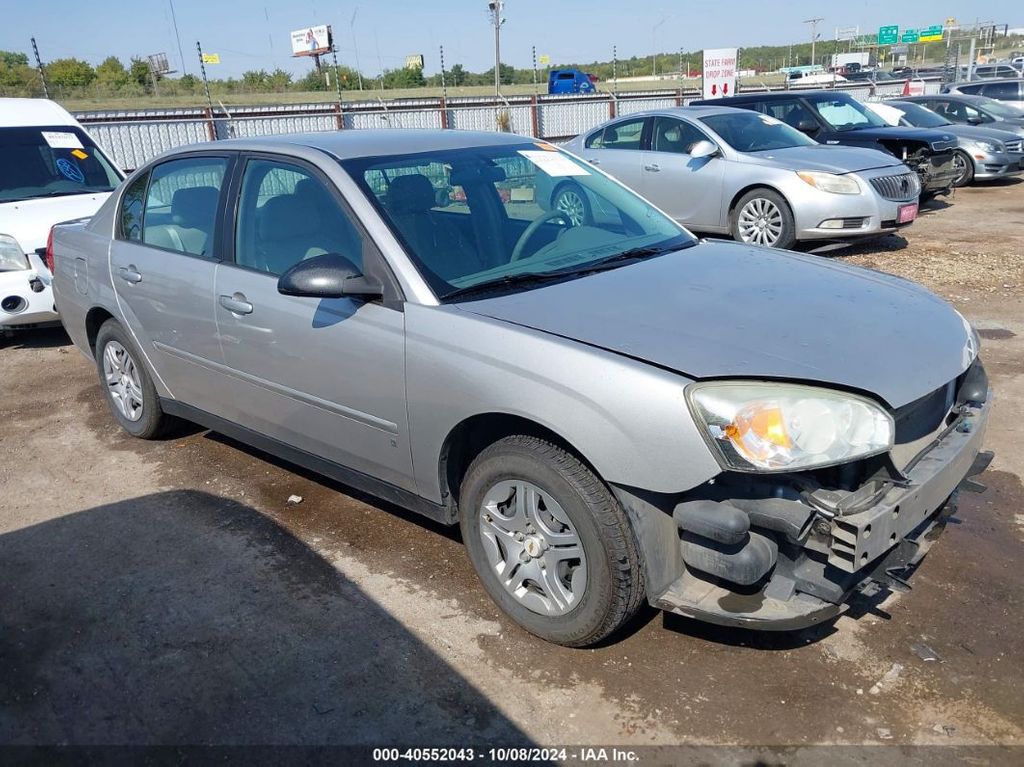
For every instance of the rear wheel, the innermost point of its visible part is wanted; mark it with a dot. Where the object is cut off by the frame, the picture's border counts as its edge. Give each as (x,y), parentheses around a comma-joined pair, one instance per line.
(964,165)
(126,384)
(762,217)
(552,546)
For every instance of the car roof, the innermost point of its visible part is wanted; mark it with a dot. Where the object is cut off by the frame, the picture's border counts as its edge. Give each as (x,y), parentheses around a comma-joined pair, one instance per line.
(770,96)
(693,111)
(20,113)
(348,144)
(987,80)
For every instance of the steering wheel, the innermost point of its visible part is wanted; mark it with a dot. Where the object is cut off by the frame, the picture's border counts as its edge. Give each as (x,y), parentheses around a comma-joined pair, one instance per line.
(537,223)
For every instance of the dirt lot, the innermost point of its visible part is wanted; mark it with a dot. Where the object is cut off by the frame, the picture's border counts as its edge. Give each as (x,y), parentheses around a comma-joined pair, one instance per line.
(166,592)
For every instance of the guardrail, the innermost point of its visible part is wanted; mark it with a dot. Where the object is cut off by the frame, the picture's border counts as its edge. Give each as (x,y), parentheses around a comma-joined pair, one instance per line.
(134,137)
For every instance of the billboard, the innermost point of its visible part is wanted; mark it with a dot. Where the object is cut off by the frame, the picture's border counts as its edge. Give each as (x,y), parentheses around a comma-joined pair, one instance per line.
(415,61)
(719,72)
(311,41)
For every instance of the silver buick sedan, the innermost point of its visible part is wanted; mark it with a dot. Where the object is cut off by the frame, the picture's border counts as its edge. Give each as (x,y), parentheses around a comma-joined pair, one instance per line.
(612,410)
(732,171)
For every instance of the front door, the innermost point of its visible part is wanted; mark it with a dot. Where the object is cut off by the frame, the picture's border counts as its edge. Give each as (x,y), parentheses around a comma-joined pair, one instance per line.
(325,376)
(163,262)
(687,188)
(616,150)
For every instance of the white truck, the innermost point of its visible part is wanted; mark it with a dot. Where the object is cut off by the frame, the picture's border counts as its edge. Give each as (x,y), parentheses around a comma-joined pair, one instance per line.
(51,171)
(859,60)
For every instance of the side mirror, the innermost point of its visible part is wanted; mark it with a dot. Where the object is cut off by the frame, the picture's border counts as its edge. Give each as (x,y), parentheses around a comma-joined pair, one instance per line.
(328,276)
(806,125)
(702,149)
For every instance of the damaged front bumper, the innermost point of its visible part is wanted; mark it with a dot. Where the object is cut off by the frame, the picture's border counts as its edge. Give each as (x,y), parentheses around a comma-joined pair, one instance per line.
(778,563)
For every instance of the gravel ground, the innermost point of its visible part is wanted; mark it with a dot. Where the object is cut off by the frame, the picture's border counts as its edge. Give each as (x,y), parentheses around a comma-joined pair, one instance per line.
(167,593)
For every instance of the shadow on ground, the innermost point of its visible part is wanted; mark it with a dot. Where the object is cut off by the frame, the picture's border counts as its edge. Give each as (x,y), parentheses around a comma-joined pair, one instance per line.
(186,618)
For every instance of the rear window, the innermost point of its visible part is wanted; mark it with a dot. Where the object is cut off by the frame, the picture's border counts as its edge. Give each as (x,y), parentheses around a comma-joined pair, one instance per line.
(52,162)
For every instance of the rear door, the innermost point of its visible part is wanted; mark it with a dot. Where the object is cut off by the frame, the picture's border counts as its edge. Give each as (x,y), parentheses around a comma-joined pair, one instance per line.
(162,263)
(325,376)
(616,149)
(687,188)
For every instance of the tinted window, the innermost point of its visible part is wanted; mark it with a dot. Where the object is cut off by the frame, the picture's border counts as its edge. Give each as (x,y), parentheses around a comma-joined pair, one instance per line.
(1007,91)
(919,116)
(845,113)
(790,112)
(621,135)
(971,88)
(181,206)
(419,195)
(286,215)
(132,204)
(671,135)
(51,162)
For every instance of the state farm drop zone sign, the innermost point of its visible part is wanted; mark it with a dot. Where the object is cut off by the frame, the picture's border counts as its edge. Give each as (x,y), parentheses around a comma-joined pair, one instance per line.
(719,72)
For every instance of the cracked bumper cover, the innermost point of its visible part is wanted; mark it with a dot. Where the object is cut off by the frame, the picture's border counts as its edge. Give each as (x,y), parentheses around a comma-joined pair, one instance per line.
(871,550)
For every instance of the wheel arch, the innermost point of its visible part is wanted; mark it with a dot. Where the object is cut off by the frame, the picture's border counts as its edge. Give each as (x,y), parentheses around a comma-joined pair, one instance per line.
(473,434)
(750,188)
(94,320)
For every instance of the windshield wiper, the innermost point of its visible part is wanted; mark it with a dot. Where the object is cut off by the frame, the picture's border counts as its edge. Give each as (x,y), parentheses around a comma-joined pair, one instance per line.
(509,280)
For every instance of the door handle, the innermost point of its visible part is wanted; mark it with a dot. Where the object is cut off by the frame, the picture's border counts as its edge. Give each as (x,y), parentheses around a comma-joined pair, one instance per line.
(652,168)
(130,274)
(237,303)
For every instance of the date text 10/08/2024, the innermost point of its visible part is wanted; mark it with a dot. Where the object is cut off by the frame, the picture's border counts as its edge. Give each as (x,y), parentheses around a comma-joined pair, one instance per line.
(504,754)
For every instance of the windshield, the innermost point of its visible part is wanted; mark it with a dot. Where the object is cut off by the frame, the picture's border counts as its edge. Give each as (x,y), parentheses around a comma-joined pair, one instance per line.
(999,108)
(844,113)
(752,132)
(51,162)
(919,116)
(509,217)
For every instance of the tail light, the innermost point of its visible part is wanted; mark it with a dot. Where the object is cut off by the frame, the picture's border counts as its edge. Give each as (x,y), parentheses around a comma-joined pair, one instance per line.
(49,251)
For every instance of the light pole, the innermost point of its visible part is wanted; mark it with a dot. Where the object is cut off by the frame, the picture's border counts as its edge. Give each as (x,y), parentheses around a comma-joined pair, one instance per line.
(355,46)
(814,33)
(654,46)
(496,7)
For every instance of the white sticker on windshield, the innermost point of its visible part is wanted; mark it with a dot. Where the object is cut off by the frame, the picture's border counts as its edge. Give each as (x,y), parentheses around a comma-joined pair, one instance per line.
(61,139)
(554,163)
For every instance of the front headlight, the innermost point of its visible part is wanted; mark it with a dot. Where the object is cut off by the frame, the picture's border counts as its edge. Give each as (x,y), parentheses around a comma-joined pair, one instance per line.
(12,258)
(985,146)
(829,182)
(762,426)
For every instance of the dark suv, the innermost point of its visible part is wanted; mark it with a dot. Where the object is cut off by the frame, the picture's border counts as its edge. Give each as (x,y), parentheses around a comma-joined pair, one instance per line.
(834,117)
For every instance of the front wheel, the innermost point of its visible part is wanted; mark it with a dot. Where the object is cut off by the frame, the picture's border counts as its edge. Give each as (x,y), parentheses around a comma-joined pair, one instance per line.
(552,546)
(964,166)
(571,200)
(762,217)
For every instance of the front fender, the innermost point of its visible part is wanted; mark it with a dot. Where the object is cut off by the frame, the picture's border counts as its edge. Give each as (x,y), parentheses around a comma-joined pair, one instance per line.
(627,418)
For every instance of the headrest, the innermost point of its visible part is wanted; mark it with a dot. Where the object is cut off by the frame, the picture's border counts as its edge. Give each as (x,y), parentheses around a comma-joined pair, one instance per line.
(611,135)
(287,216)
(411,194)
(194,207)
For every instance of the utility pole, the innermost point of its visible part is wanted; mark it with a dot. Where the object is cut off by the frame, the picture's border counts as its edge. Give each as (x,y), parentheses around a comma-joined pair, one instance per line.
(355,46)
(814,33)
(496,7)
(174,23)
(42,72)
(654,46)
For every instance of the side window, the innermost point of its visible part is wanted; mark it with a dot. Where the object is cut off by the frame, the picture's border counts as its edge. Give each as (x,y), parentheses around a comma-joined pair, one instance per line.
(790,112)
(1007,91)
(621,135)
(970,113)
(671,135)
(286,215)
(972,88)
(132,204)
(181,206)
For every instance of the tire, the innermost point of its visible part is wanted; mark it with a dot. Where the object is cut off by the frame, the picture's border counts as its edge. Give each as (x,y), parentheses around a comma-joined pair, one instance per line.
(746,216)
(965,165)
(148,420)
(609,588)
(572,200)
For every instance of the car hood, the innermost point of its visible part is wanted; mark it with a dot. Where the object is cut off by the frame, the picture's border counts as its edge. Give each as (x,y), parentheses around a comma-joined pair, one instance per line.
(730,310)
(29,221)
(895,133)
(831,159)
(981,134)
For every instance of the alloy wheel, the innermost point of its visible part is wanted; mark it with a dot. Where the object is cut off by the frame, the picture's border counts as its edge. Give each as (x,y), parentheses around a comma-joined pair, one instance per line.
(760,222)
(533,547)
(123,382)
(962,171)
(572,205)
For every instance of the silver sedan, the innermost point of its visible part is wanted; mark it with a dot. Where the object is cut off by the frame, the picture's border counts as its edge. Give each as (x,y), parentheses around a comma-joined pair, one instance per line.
(733,171)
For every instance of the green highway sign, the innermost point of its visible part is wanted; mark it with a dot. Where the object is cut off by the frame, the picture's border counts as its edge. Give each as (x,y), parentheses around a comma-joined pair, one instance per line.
(909,36)
(931,34)
(888,35)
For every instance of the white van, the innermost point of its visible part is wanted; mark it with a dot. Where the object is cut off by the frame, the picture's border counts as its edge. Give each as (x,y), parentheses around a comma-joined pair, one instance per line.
(50,171)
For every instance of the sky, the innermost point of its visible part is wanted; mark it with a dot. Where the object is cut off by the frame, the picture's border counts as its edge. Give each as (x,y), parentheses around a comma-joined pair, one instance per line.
(381,33)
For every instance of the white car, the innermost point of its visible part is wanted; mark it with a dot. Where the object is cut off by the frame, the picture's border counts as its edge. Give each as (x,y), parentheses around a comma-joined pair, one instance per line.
(51,171)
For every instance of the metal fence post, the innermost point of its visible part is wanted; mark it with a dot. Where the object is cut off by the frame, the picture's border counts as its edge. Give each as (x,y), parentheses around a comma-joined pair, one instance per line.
(534,117)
